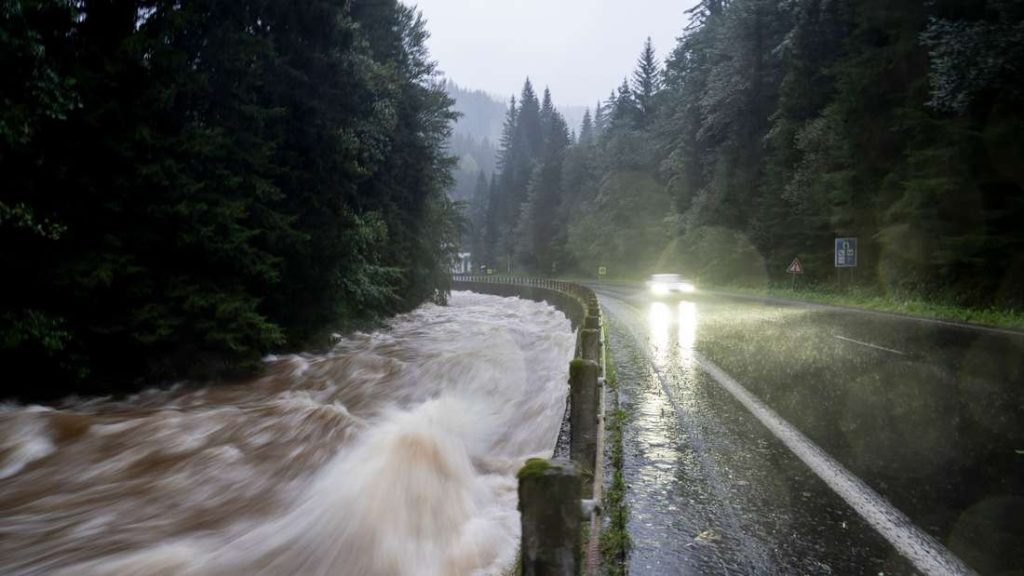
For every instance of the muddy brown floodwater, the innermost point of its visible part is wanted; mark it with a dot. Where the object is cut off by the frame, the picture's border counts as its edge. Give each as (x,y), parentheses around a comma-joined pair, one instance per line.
(394,453)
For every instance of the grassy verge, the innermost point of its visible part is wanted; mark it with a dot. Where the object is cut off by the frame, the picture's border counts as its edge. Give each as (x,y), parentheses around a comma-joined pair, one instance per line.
(615,541)
(872,300)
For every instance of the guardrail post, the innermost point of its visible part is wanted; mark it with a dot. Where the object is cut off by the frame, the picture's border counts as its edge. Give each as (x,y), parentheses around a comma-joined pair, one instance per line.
(590,344)
(549,506)
(583,407)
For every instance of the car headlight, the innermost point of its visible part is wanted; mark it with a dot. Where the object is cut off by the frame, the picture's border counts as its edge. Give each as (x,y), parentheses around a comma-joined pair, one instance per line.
(659,288)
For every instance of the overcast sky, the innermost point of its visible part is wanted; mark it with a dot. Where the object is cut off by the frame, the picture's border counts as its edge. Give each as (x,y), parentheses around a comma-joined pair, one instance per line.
(581,49)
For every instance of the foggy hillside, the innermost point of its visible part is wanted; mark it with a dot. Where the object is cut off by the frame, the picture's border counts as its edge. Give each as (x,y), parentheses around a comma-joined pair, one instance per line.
(474,138)
(477,134)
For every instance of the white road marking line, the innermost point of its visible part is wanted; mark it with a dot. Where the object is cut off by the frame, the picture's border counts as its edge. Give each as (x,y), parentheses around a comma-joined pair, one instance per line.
(869,345)
(924,552)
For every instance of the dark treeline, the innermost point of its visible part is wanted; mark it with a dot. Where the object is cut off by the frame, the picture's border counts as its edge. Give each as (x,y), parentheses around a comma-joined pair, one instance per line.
(188,184)
(515,215)
(774,127)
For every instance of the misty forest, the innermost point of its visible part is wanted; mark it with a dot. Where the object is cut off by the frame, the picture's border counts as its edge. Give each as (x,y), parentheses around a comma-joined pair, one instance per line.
(769,129)
(189,185)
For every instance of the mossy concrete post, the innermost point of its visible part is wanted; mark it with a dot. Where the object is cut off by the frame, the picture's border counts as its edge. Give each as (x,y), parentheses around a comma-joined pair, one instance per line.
(549,507)
(590,344)
(583,406)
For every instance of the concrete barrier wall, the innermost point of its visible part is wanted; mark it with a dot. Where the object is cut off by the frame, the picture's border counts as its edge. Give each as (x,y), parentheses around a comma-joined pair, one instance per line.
(556,494)
(573,307)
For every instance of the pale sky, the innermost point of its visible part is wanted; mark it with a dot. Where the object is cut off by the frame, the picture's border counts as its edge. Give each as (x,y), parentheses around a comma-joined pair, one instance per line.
(581,49)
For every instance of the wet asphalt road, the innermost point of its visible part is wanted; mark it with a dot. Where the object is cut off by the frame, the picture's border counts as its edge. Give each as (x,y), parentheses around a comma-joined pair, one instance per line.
(931,417)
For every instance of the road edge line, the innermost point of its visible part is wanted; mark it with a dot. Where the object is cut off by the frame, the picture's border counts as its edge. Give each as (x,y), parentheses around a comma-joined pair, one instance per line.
(921,549)
(869,345)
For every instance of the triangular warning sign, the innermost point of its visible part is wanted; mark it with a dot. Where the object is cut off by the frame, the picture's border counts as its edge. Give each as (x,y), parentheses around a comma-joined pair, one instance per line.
(795,267)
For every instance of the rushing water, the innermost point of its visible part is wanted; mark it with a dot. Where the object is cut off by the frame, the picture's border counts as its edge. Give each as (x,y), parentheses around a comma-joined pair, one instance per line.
(395,453)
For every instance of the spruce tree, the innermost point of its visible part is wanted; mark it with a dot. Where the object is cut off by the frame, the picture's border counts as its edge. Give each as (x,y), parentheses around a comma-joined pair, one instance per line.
(646,82)
(586,137)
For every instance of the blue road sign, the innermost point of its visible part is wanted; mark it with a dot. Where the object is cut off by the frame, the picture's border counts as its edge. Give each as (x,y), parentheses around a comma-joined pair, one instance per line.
(846,252)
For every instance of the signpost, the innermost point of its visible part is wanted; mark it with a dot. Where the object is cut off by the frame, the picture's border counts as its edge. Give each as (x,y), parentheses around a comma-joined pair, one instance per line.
(602,271)
(846,254)
(795,268)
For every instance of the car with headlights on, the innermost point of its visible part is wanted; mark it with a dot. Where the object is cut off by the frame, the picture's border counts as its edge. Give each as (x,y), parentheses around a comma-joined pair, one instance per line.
(669,284)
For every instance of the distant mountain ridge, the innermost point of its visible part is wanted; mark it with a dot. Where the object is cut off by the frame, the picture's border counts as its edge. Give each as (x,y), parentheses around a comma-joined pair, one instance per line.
(475,137)
(482,113)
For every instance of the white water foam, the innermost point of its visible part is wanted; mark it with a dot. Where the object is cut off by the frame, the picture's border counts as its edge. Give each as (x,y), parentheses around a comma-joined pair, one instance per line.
(433,416)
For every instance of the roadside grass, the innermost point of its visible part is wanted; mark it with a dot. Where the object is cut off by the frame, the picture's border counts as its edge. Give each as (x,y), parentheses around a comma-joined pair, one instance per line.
(614,540)
(868,298)
(871,299)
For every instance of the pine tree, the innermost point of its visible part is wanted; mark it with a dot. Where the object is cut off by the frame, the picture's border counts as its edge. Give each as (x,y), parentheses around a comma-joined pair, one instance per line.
(586,137)
(479,206)
(600,119)
(538,245)
(529,122)
(646,82)
(625,113)
(508,134)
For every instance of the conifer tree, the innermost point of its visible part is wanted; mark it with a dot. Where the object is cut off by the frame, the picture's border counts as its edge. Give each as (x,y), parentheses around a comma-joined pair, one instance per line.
(479,206)
(586,137)
(600,119)
(646,82)
(194,185)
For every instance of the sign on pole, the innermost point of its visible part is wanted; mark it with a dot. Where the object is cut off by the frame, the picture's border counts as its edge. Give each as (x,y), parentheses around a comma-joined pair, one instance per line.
(846,252)
(602,271)
(795,268)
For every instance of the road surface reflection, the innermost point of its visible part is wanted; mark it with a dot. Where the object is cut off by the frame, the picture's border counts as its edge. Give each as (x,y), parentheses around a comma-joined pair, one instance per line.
(665,318)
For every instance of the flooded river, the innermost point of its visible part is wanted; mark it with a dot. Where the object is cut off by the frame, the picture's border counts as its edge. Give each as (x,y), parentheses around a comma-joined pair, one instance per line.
(394,453)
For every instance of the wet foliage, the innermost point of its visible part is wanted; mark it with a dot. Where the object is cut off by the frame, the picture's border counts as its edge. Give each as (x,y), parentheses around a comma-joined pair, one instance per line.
(773,128)
(188,185)
(615,540)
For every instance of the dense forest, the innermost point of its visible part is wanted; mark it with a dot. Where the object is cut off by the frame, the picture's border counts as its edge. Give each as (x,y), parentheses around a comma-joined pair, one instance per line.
(188,184)
(769,130)
(476,134)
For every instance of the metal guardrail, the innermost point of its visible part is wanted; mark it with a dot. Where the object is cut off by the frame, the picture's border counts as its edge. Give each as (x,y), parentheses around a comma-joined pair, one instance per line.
(556,495)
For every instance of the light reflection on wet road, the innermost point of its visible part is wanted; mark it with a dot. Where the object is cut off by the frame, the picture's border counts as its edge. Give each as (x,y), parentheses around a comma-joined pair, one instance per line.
(712,492)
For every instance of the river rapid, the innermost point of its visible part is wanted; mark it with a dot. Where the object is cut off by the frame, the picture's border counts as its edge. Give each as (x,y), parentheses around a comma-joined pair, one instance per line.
(394,453)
